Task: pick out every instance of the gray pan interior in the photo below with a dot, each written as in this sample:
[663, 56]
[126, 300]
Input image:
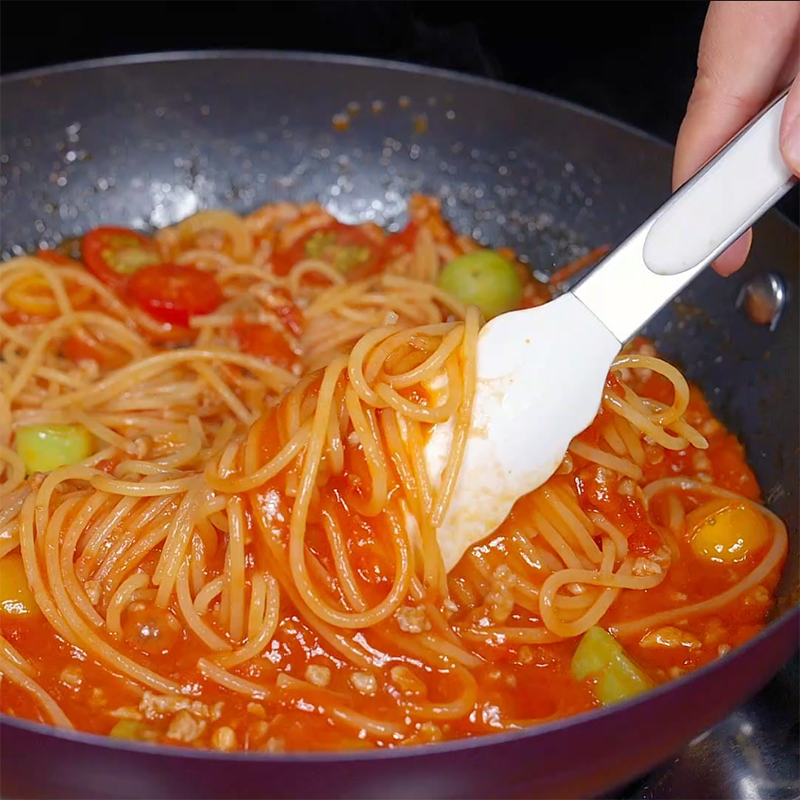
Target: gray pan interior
[145, 142]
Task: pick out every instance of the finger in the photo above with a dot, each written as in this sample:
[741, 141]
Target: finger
[790, 129]
[743, 52]
[734, 257]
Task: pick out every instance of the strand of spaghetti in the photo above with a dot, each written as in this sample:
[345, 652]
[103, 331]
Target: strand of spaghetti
[434, 574]
[16, 470]
[236, 684]
[374, 365]
[104, 483]
[608, 460]
[196, 624]
[579, 532]
[433, 291]
[358, 619]
[632, 442]
[373, 454]
[458, 447]
[276, 555]
[342, 564]
[356, 363]
[673, 375]
[460, 707]
[104, 433]
[640, 421]
[121, 335]
[276, 465]
[45, 271]
[16, 676]
[79, 632]
[137, 522]
[207, 373]
[236, 568]
[517, 635]
[9, 652]
[93, 536]
[208, 593]
[136, 373]
[177, 541]
[430, 415]
[612, 531]
[556, 541]
[305, 695]
[121, 599]
[133, 556]
[256, 645]
[66, 558]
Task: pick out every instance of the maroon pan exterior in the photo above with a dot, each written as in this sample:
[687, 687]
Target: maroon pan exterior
[164, 135]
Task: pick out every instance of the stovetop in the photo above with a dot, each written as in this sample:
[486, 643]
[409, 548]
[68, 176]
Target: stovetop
[582, 52]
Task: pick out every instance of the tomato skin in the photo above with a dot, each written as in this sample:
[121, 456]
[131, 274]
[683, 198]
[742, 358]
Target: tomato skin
[113, 255]
[258, 339]
[56, 258]
[174, 293]
[84, 346]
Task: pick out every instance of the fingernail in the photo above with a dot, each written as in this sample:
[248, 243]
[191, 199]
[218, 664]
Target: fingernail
[791, 145]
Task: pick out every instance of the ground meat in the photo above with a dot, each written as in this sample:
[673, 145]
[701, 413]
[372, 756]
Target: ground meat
[185, 728]
[364, 682]
[72, 677]
[223, 739]
[318, 675]
[155, 706]
[646, 566]
[412, 619]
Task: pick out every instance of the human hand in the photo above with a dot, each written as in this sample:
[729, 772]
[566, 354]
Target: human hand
[748, 52]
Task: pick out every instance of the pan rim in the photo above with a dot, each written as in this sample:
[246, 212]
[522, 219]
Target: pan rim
[789, 617]
[313, 56]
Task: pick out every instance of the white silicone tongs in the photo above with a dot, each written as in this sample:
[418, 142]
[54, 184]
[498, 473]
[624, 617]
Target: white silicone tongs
[541, 371]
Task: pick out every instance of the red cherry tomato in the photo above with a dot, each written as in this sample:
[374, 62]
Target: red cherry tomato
[113, 255]
[345, 247]
[173, 293]
[258, 339]
[56, 258]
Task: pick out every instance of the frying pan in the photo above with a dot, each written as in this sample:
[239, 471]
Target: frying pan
[146, 141]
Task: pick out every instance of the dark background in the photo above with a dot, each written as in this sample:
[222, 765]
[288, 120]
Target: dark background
[631, 60]
[634, 61]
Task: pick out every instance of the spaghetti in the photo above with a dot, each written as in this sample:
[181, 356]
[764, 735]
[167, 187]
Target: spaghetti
[237, 540]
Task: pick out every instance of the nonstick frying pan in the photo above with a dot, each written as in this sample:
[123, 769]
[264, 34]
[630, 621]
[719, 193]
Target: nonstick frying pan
[146, 141]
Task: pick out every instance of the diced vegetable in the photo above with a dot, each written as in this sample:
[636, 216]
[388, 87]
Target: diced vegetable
[174, 293]
[113, 254]
[483, 279]
[46, 447]
[129, 729]
[725, 533]
[16, 597]
[601, 659]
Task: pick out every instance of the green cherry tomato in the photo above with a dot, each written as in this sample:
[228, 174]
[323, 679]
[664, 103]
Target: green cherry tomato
[483, 279]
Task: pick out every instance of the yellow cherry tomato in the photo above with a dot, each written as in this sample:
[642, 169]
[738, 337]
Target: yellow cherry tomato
[726, 532]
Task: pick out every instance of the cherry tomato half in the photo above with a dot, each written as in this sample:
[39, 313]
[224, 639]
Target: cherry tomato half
[56, 258]
[345, 247]
[114, 254]
[174, 293]
[258, 339]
